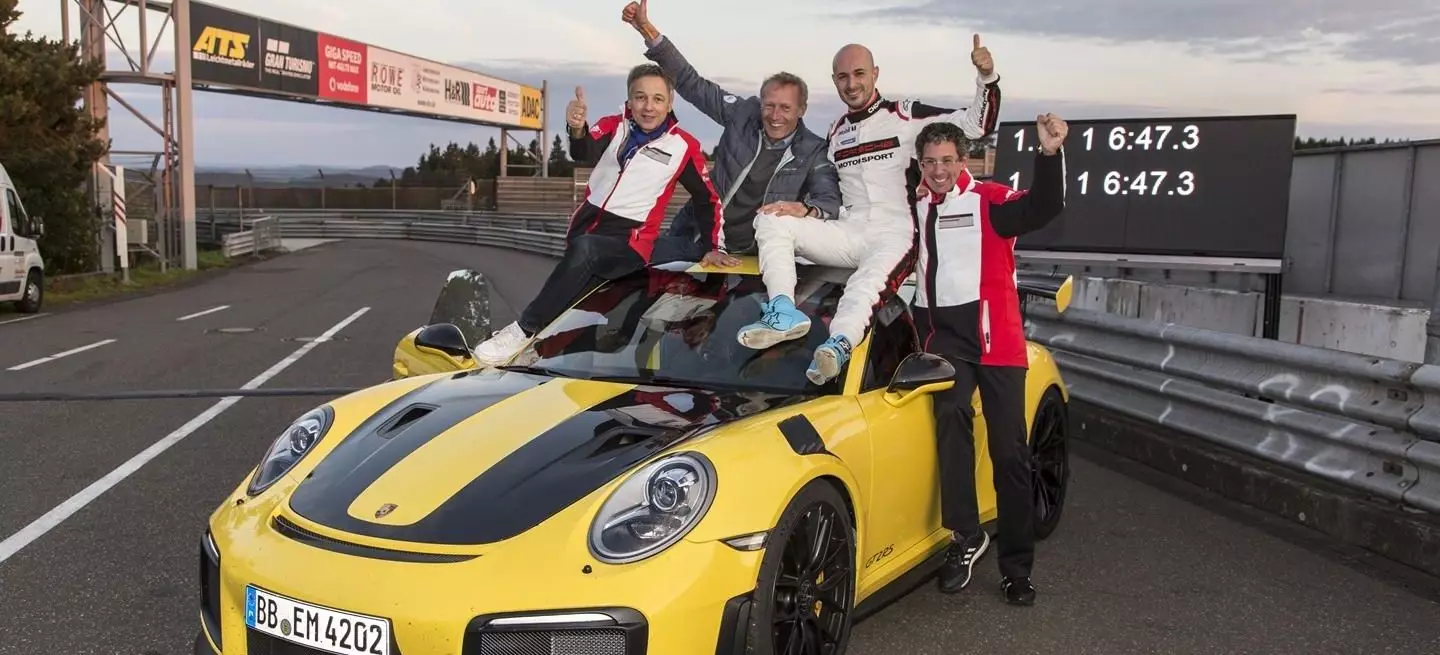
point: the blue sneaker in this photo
(830, 357)
(780, 322)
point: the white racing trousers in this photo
(875, 241)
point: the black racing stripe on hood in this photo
(376, 445)
(564, 464)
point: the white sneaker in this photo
(501, 346)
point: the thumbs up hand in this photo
(980, 56)
(575, 111)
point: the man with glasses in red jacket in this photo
(967, 310)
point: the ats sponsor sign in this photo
(224, 46)
(229, 48)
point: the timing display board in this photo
(260, 56)
(1199, 187)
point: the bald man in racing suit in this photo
(872, 147)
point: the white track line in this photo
(22, 318)
(54, 517)
(72, 351)
(212, 310)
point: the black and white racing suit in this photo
(873, 149)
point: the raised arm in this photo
(710, 98)
(983, 114)
(587, 143)
(1014, 212)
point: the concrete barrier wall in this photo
(1369, 329)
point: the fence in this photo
(221, 197)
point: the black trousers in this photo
(1002, 398)
(589, 261)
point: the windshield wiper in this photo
(540, 370)
(670, 381)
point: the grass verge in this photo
(145, 277)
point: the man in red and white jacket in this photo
(639, 156)
(967, 309)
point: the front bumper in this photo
(540, 593)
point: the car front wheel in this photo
(806, 589)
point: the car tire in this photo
(33, 293)
(1049, 462)
(818, 504)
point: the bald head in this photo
(851, 57)
(854, 73)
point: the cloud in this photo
(1400, 31)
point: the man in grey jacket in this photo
(766, 154)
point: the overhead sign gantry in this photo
(221, 50)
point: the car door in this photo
(904, 507)
(10, 260)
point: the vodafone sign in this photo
(246, 52)
(342, 69)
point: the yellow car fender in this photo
(758, 472)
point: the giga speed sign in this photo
(1216, 186)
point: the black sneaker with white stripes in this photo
(1018, 591)
(960, 561)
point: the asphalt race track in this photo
(98, 535)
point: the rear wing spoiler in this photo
(1045, 285)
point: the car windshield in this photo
(679, 328)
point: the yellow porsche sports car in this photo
(634, 482)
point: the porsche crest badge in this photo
(384, 510)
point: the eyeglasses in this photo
(929, 162)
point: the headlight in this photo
(653, 509)
(290, 447)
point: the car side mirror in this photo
(39, 226)
(444, 337)
(918, 375)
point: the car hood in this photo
(477, 458)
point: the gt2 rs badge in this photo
(385, 510)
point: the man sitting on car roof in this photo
(638, 157)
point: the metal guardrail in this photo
(1369, 423)
(264, 234)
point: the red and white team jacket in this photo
(628, 198)
(966, 301)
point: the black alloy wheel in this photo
(806, 589)
(1049, 462)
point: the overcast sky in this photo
(1345, 68)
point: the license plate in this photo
(331, 630)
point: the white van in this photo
(22, 270)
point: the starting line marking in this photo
(14, 543)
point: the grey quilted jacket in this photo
(804, 174)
